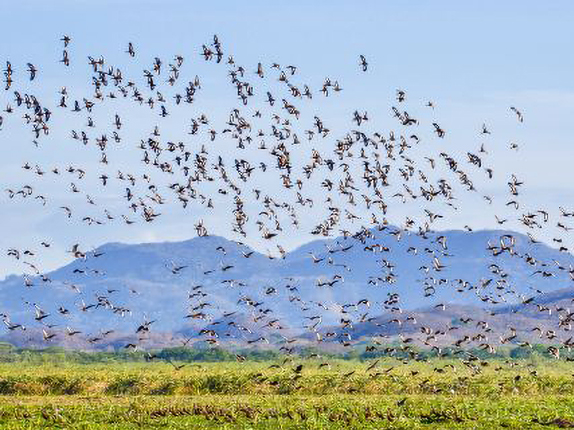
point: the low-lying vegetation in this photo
(292, 394)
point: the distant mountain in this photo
(516, 324)
(120, 286)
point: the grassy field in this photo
(439, 394)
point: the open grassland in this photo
(439, 394)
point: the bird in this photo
(518, 114)
(363, 63)
(131, 51)
(32, 69)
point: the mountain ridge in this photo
(131, 283)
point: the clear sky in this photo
(474, 59)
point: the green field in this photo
(439, 394)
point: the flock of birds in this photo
(270, 175)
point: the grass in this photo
(436, 395)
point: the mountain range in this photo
(119, 287)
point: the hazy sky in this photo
(473, 59)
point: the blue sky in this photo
(473, 59)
